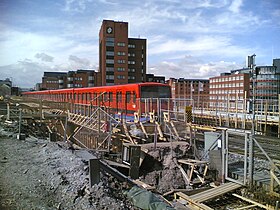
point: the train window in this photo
(155, 92)
(95, 96)
(128, 97)
(75, 96)
(110, 96)
(88, 97)
(84, 97)
(119, 96)
(105, 96)
(134, 96)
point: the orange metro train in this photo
(122, 98)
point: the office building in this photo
(54, 80)
(71, 79)
(122, 60)
(195, 90)
(153, 78)
(81, 78)
(265, 82)
(228, 91)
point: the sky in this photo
(189, 39)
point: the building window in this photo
(110, 44)
(110, 53)
(110, 69)
(121, 77)
(121, 53)
(131, 46)
(131, 54)
(121, 69)
(121, 44)
(110, 41)
(121, 61)
(131, 62)
(110, 77)
(110, 61)
(131, 70)
(109, 83)
(131, 77)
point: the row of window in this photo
(224, 79)
(74, 85)
(131, 45)
(225, 91)
(120, 53)
(112, 77)
(226, 105)
(128, 97)
(224, 97)
(241, 84)
(111, 61)
(52, 81)
(110, 42)
(119, 69)
(131, 55)
(268, 76)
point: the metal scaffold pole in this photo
(279, 116)
(252, 136)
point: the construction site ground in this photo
(38, 174)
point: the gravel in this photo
(38, 174)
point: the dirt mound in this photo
(159, 167)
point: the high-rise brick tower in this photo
(122, 60)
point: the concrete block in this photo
(21, 136)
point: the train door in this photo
(127, 101)
(110, 99)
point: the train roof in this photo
(113, 87)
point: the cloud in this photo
(25, 73)
(235, 6)
(79, 63)
(213, 45)
(44, 57)
(192, 67)
(75, 5)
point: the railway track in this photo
(270, 145)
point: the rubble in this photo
(38, 174)
(159, 166)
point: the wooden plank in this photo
(189, 161)
(253, 202)
(191, 201)
(215, 192)
(246, 207)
